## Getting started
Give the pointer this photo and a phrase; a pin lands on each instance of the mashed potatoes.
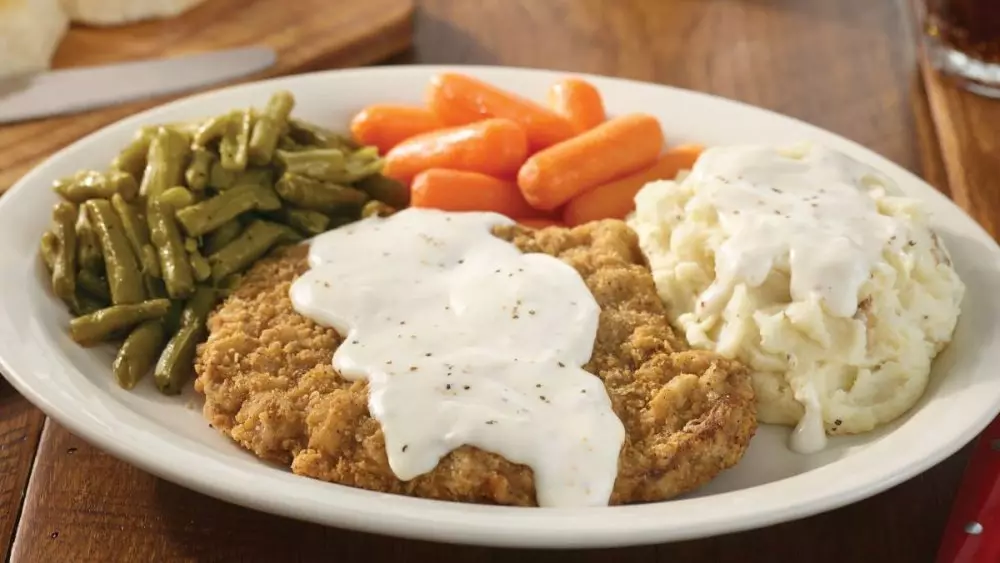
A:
(810, 268)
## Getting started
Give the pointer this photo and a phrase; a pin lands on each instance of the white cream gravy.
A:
(464, 340)
(806, 212)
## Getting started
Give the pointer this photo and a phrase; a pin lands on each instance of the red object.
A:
(972, 534)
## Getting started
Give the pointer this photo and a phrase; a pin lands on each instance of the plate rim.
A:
(480, 525)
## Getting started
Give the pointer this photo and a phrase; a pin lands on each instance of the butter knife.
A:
(74, 90)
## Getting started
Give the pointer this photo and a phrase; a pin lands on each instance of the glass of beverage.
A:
(963, 42)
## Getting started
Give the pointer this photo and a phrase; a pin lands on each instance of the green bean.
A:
(287, 235)
(166, 237)
(85, 304)
(319, 164)
(386, 190)
(212, 213)
(137, 232)
(197, 309)
(269, 126)
(228, 285)
(358, 166)
(376, 208)
(253, 243)
(199, 169)
(187, 128)
(212, 129)
(256, 177)
(49, 249)
(93, 284)
(315, 136)
(155, 287)
(233, 146)
(222, 236)
(288, 144)
(199, 266)
(120, 263)
(138, 353)
(109, 322)
(176, 364)
(90, 184)
(340, 220)
(318, 196)
(166, 163)
(309, 223)
(64, 268)
(132, 159)
(220, 178)
(88, 246)
(177, 197)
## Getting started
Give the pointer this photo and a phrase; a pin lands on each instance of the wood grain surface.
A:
(20, 426)
(306, 34)
(848, 66)
(967, 127)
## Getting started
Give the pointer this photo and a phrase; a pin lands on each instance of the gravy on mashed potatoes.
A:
(809, 267)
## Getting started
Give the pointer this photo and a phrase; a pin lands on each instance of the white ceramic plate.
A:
(168, 437)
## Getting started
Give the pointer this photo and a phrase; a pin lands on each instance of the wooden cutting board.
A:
(307, 35)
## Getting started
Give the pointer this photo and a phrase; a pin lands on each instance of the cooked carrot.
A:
(611, 150)
(457, 190)
(458, 99)
(387, 125)
(579, 102)
(616, 199)
(496, 147)
(539, 223)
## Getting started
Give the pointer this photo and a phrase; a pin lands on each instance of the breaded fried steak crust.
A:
(269, 384)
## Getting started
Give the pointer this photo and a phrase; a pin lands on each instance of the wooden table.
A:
(850, 66)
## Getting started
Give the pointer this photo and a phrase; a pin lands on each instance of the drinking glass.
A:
(963, 42)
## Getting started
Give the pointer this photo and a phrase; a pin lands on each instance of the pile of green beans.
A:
(142, 252)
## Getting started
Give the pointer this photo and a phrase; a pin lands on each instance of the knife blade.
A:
(74, 90)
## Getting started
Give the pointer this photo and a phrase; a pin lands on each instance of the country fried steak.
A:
(269, 384)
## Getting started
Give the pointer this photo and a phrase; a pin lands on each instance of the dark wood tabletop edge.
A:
(21, 427)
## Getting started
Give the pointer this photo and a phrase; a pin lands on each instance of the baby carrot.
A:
(496, 147)
(458, 99)
(579, 102)
(457, 190)
(539, 223)
(616, 199)
(611, 150)
(387, 125)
